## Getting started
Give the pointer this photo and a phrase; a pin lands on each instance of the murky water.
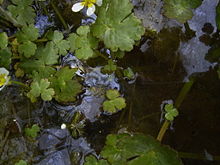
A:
(163, 63)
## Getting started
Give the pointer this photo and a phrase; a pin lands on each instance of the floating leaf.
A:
(62, 45)
(66, 89)
(117, 26)
(27, 33)
(3, 40)
(110, 68)
(136, 149)
(128, 73)
(83, 43)
(114, 103)
(33, 131)
(91, 160)
(181, 10)
(40, 89)
(171, 112)
(21, 162)
(5, 58)
(22, 11)
(28, 49)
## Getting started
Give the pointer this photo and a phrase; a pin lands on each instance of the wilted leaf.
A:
(117, 26)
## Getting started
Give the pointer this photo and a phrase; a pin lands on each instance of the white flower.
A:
(89, 4)
(4, 78)
(63, 126)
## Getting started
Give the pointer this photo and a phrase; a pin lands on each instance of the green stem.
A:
(9, 17)
(59, 15)
(186, 88)
(19, 83)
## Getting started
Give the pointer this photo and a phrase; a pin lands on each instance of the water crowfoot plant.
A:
(89, 4)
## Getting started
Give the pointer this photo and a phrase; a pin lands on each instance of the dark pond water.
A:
(162, 62)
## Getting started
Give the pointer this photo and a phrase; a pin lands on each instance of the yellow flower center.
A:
(88, 3)
(2, 79)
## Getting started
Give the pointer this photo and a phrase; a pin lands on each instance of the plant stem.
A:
(9, 17)
(59, 15)
(19, 83)
(185, 89)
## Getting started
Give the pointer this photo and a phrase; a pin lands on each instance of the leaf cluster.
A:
(33, 131)
(137, 149)
(171, 112)
(114, 102)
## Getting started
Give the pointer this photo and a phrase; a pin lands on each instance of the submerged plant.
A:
(89, 4)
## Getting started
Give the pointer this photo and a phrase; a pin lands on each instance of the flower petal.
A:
(77, 7)
(90, 10)
(4, 71)
(99, 2)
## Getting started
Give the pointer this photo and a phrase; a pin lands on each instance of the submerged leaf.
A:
(181, 10)
(117, 26)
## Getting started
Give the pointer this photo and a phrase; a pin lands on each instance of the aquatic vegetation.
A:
(89, 4)
(33, 131)
(21, 162)
(171, 112)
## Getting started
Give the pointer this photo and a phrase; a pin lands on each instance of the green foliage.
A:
(128, 73)
(22, 11)
(5, 58)
(65, 87)
(137, 149)
(33, 131)
(115, 102)
(27, 33)
(181, 10)
(40, 88)
(82, 43)
(171, 112)
(28, 49)
(110, 67)
(3, 40)
(21, 162)
(60, 44)
(91, 160)
(218, 16)
(117, 26)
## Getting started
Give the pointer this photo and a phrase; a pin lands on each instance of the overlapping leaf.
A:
(22, 11)
(66, 89)
(40, 88)
(117, 26)
(82, 43)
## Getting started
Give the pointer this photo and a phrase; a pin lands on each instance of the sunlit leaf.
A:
(128, 73)
(82, 43)
(40, 88)
(112, 94)
(117, 26)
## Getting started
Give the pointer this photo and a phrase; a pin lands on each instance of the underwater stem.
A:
(8, 17)
(185, 89)
(59, 15)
